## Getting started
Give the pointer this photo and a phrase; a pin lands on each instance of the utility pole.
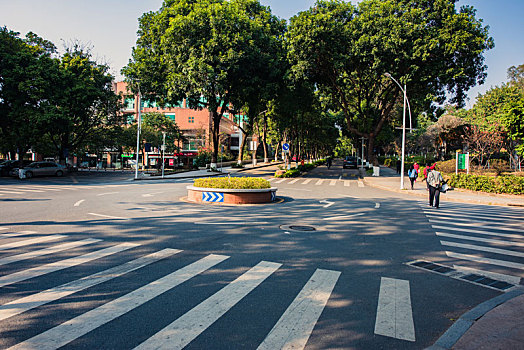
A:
(163, 151)
(139, 126)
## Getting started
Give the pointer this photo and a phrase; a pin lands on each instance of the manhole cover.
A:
(302, 228)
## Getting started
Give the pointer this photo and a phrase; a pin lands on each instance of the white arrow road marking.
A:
(328, 203)
(377, 205)
(343, 216)
(79, 202)
(104, 194)
(394, 315)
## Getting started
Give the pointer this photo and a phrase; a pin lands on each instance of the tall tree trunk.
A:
(242, 147)
(264, 141)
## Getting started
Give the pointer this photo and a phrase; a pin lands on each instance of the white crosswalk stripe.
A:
(332, 182)
(346, 183)
(306, 181)
(64, 264)
(293, 181)
(26, 242)
(319, 182)
(280, 181)
(47, 251)
(293, 329)
(394, 314)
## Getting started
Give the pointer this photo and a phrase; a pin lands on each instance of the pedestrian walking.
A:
(398, 166)
(426, 171)
(434, 181)
(412, 174)
(417, 167)
(328, 162)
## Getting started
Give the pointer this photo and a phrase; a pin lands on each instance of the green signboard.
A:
(462, 161)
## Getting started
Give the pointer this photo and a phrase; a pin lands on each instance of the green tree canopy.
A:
(214, 53)
(27, 68)
(428, 45)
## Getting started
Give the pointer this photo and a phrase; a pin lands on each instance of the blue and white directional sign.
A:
(285, 147)
(273, 196)
(212, 197)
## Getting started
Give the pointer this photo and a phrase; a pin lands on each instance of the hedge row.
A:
(232, 182)
(510, 184)
(301, 169)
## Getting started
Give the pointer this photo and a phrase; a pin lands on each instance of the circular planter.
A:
(231, 196)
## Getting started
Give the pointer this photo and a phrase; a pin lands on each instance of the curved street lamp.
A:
(403, 127)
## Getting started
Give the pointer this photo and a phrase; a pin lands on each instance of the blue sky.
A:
(109, 26)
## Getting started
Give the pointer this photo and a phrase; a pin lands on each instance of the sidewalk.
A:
(389, 180)
(495, 324)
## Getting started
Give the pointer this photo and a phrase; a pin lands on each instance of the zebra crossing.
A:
(45, 188)
(292, 330)
(487, 241)
(317, 182)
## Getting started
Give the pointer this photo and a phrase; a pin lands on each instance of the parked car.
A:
(7, 166)
(42, 169)
(351, 162)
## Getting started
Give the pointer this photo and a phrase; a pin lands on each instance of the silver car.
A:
(41, 169)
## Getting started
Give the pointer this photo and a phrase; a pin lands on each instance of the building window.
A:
(130, 103)
(191, 119)
(171, 116)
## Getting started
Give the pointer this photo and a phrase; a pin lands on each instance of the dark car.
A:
(351, 162)
(7, 166)
(42, 169)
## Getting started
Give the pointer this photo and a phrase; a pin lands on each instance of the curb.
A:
(464, 323)
(262, 166)
(459, 200)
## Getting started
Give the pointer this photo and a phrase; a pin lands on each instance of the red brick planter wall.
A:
(214, 195)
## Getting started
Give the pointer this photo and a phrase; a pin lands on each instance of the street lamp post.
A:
(139, 125)
(163, 151)
(403, 127)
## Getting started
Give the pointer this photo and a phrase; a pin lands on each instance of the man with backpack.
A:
(434, 181)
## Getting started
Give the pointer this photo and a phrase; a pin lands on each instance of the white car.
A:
(42, 169)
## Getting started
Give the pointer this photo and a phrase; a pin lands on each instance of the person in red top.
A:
(426, 170)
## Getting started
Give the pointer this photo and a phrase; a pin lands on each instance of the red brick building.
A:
(196, 125)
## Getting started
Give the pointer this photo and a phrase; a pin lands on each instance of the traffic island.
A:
(231, 190)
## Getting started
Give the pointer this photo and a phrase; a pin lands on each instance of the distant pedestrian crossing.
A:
(10, 190)
(317, 182)
(485, 240)
(292, 330)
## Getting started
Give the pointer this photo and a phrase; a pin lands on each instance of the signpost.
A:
(285, 149)
(462, 162)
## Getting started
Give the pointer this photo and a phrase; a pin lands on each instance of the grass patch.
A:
(244, 183)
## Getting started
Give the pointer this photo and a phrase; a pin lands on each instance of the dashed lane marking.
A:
(79, 202)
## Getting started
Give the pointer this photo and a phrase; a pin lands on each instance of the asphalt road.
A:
(101, 262)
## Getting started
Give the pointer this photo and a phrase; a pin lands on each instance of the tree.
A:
(27, 71)
(428, 45)
(155, 124)
(483, 143)
(83, 103)
(214, 53)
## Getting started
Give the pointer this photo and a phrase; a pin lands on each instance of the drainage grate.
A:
(469, 277)
(302, 228)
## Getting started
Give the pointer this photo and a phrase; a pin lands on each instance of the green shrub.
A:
(369, 171)
(237, 165)
(290, 173)
(202, 159)
(510, 184)
(306, 167)
(499, 165)
(232, 183)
